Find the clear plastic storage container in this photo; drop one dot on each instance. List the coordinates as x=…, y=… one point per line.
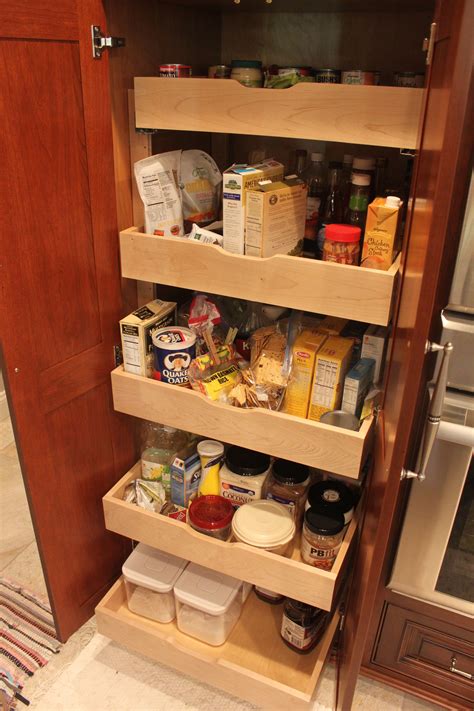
x=150, y=576
x=208, y=603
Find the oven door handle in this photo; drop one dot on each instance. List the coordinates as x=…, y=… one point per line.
x=433, y=417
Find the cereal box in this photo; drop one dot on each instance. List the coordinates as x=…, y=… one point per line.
x=332, y=326
x=298, y=391
x=332, y=362
x=135, y=331
x=356, y=385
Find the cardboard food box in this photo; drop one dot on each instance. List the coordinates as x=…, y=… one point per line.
x=332, y=363
x=373, y=346
x=306, y=345
x=381, y=235
x=275, y=219
x=332, y=325
x=237, y=180
x=185, y=476
x=135, y=332
x=356, y=385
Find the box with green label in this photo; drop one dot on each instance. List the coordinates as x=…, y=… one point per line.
x=135, y=332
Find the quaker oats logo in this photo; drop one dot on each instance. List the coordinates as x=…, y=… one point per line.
x=273, y=200
x=177, y=361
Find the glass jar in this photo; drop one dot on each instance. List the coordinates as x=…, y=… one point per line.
x=322, y=537
x=302, y=625
x=341, y=244
x=288, y=483
x=334, y=496
x=211, y=515
x=248, y=72
x=243, y=475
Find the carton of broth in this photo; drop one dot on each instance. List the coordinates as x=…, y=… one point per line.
x=381, y=232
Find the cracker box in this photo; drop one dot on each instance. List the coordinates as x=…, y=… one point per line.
x=306, y=345
x=135, y=332
x=275, y=219
x=356, y=385
x=237, y=180
x=381, y=234
x=373, y=346
x=332, y=363
x=332, y=325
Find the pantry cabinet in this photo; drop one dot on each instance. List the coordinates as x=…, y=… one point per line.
x=74, y=125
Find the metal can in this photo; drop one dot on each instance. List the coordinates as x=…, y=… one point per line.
x=327, y=76
x=359, y=76
x=410, y=79
x=219, y=71
x=175, y=71
x=301, y=71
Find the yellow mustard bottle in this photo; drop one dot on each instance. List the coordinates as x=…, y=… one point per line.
x=211, y=454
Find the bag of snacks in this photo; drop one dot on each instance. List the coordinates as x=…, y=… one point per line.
x=157, y=182
x=215, y=374
x=199, y=180
x=149, y=495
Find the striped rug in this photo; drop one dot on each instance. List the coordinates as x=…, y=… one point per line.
x=27, y=639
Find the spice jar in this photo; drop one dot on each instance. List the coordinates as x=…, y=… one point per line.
x=322, y=537
x=342, y=244
x=302, y=625
x=247, y=71
x=288, y=483
x=243, y=475
x=211, y=515
x=333, y=496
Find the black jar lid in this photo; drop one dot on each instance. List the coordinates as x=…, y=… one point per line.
x=331, y=494
x=246, y=462
x=291, y=473
x=324, y=523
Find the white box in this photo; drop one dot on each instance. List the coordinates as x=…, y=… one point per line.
x=208, y=603
x=150, y=576
x=373, y=346
x=135, y=332
x=236, y=181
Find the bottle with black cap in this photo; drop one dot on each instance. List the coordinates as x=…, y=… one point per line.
x=322, y=537
x=243, y=475
x=332, y=496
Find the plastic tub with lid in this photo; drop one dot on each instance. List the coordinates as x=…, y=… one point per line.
x=150, y=576
x=211, y=515
x=264, y=524
x=208, y=603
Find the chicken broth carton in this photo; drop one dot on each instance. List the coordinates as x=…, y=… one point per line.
x=305, y=348
x=332, y=363
x=237, y=180
x=381, y=233
x=275, y=218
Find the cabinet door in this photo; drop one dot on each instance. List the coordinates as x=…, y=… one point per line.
x=440, y=185
x=61, y=291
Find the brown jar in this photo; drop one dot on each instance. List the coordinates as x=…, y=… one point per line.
x=302, y=625
x=322, y=537
x=288, y=484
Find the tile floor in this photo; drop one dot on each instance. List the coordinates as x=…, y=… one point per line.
x=91, y=673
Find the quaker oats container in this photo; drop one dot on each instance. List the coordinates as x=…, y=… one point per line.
x=173, y=350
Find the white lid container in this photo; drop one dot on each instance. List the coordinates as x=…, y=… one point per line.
x=209, y=603
x=150, y=576
x=264, y=524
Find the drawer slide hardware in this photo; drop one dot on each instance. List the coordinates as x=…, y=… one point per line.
x=454, y=670
x=100, y=42
x=433, y=417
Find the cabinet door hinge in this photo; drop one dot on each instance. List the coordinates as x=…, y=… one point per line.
x=428, y=44
x=101, y=42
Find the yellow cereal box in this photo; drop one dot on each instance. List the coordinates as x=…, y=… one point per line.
x=298, y=391
x=332, y=326
x=381, y=232
x=332, y=363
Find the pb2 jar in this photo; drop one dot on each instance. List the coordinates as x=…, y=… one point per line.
x=322, y=537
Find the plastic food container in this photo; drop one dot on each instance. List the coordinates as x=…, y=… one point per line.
x=332, y=495
x=150, y=576
x=322, y=537
x=173, y=350
x=243, y=475
x=208, y=603
x=264, y=524
x=248, y=72
x=212, y=515
x=341, y=244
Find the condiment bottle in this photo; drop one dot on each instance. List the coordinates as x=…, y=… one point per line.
x=301, y=157
x=316, y=181
x=358, y=200
x=302, y=625
x=288, y=483
x=333, y=208
x=243, y=475
x=332, y=495
x=366, y=166
x=322, y=537
x=211, y=454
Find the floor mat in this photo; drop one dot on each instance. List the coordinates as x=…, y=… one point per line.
x=27, y=639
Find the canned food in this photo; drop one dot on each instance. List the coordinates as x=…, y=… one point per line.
x=358, y=76
x=411, y=79
x=301, y=71
x=327, y=76
x=175, y=71
x=219, y=71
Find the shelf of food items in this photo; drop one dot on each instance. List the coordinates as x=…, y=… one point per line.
x=315, y=104
x=299, y=555
x=255, y=661
x=269, y=379
x=291, y=241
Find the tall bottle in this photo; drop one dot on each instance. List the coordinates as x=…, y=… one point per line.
x=359, y=201
x=160, y=445
x=333, y=208
x=366, y=166
x=301, y=159
x=315, y=177
x=346, y=180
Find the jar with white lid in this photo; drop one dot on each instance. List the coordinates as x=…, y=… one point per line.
x=150, y=576
x=243, y=475
x=248, y=72
x=208, y=603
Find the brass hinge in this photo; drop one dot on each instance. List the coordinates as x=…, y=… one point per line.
x=101, y=41
x=428, y=44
